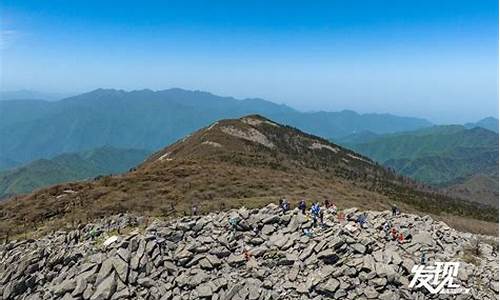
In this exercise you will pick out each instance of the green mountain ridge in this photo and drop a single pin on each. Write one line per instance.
(449, 141)
(147, 119)
(68, 167)
(247, 161)
(450, 157)
(489, 123)
(7, 163)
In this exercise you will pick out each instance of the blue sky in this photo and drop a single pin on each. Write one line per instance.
(433, 59)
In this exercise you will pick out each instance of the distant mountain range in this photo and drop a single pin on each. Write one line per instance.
(30, 94)
(489, 123)
(68, 167)
(249, 161)
(453, 157)
(145, 119)
(7, 163)
(55, 137)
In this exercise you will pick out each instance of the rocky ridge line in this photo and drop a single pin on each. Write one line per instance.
(265, 256)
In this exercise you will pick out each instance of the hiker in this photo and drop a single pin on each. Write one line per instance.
(341, 217)
(308, 232)
(233, 223)
(395, 211)
(280, 203)
(194, 210)
(255, 230)
(394, 233)
(285, 206)
(321, 217)
(401, 238)
(327, 204)
(362, 220)
(247, 254)
(386, 227)
(302, 206)
(93, 234)
(333, 209)
(315, 211)
(423, 259)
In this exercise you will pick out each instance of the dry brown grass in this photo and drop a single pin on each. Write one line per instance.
(470, 225)
(240, 173)
(171, 190)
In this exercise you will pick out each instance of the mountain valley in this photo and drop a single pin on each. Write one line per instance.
(68, 167)
(249, 162)
(451, 158)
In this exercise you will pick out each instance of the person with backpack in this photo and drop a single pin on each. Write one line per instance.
(315, 212)
(327, 204)
(284, 205)
(334, 209)
(341, 217)
(321, 217)
(423, 258)
(233, 223)
(395, 211)
(386, 227)
(93, 234)
(401, 238)
(302, 206)
(394, 234)
(362, 220)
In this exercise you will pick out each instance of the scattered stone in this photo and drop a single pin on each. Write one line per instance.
(370, 292)
(423, 238)
(266, 256)
(359, 248)
(105, 289)
(110, 241)
(330, 286)
(204, 291)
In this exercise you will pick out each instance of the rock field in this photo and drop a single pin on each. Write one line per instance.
(262, 254)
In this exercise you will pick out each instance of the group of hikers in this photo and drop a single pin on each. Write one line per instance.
(392, 233)
(317, 216)
(317, 212)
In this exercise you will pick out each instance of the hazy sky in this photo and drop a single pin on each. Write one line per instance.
(434, 59)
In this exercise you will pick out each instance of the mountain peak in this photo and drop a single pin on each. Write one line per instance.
(100, 93)
(490, 123)
(256, 120)
(254, 136)
(247, 161)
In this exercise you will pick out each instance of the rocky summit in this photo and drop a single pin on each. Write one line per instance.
(249, 161)
(247, 254)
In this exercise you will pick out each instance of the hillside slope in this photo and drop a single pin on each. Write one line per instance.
(249, 161)
(482, 188)
(148, 119)
(489, 123)
(7, 163)
(68, 167)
